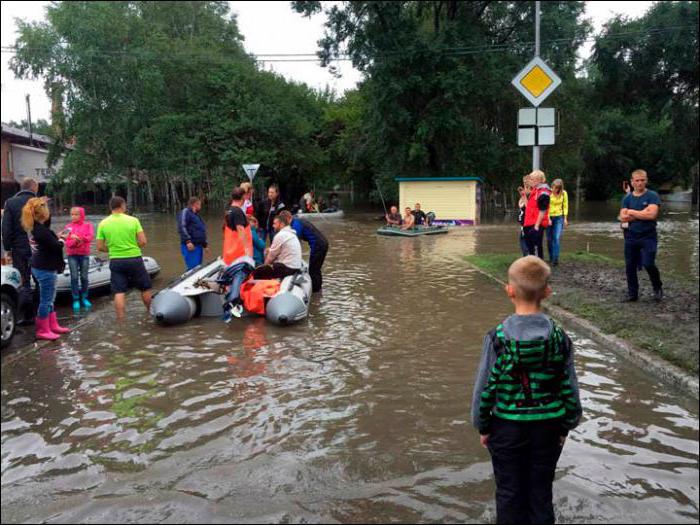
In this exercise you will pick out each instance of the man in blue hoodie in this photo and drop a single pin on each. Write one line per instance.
(193, 233)
(319, 248)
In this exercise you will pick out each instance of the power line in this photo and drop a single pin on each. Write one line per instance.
(344, 57)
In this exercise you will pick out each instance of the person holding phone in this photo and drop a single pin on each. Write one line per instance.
(79, 235)
(46, 262)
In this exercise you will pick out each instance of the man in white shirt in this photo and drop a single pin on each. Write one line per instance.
(284, 255)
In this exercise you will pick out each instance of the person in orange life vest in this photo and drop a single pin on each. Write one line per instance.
(248, 209)
(537, 213)
(238, 240)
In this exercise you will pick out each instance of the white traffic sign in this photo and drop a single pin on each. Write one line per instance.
(251, 170)
(536, 81)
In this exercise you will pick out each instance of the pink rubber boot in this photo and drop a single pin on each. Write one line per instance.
(54, 326)
(42, 329)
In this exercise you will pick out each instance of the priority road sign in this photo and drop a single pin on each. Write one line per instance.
(536, 81)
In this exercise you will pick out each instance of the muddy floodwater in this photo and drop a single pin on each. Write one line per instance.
(359, 414)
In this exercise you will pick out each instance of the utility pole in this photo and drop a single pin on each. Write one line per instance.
(29, 121)
(536, 150)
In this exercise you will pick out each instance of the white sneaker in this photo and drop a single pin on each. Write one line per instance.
(237, 310)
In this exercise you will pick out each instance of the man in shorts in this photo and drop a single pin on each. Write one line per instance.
(123, 238)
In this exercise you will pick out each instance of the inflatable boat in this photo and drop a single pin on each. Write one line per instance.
(396, 231)
(190, 296)
(98, 274)
(329, 214)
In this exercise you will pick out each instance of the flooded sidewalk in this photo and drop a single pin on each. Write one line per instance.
(359, 414)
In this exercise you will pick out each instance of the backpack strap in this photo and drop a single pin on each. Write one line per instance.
(498, 340)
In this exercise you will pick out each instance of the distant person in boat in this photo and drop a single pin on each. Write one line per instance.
(238, 239)
(122, 236)
(419, 215)
(393, 218)
(333, 202)
(558, 219)
(526, 398)
(639, 212)
(193, 233)
(307, 204)
(248, 208)
(268, 210)
(46, 263)
(258, 241)
(537, 213)
(409, 219)
(284, 255)
(318, 244)
(80, 234)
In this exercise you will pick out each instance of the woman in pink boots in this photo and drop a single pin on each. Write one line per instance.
(80, 235)
(47, 261)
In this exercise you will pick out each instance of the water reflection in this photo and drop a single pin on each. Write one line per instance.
(359, 414)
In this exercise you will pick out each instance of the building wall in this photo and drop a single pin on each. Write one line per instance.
(450, 200)
(7, 174)
(31, 162)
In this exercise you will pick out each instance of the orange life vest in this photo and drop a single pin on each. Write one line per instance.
(254, 293)
(233, 247)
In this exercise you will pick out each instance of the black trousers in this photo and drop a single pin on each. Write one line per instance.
(535, 240)
(26, 300)
(524, 457)
(273, 271)
(315, 262)
(641, 252)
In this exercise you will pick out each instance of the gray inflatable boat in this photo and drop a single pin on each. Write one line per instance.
(189, 296)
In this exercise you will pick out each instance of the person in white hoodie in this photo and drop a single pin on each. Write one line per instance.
(284, 255)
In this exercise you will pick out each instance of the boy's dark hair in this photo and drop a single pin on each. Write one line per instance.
(274, 186)
(117, 202)
(237, 194)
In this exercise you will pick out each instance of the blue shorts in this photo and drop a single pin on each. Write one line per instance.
(129, 273)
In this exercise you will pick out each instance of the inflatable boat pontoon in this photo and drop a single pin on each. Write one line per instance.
(335, 214)
(188, 297)
(396, 231)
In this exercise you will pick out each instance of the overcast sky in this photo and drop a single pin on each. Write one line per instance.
(268, 27)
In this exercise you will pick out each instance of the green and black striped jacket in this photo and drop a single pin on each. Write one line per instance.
(530, 381)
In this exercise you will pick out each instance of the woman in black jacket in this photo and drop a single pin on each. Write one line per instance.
(47, 262)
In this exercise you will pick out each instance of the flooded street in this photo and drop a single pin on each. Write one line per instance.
(359, 414)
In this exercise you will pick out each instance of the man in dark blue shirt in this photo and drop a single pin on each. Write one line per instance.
(319, 248)
(639, 212)
(193, 233)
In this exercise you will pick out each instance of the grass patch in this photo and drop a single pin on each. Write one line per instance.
(591, 285)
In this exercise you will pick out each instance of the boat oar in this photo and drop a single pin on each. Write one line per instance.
(381, 197)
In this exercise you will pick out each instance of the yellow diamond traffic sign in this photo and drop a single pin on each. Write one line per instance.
(536, 81)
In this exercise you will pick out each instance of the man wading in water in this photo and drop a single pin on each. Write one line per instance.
(639, 212)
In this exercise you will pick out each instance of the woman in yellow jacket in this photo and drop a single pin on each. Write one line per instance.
(558, 218)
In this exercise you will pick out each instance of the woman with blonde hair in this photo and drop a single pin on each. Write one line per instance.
(46, 262)
(247, 187)
(558, 219)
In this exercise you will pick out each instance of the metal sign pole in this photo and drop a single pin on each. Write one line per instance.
(536, 151)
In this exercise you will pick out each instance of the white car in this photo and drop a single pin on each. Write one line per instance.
(10, 284)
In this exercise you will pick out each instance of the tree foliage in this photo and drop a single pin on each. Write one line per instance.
(161, 98)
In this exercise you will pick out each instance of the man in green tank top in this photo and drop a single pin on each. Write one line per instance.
(526, 398)
(122, 236)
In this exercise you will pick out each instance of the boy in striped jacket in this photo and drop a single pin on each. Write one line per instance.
(526, 398)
